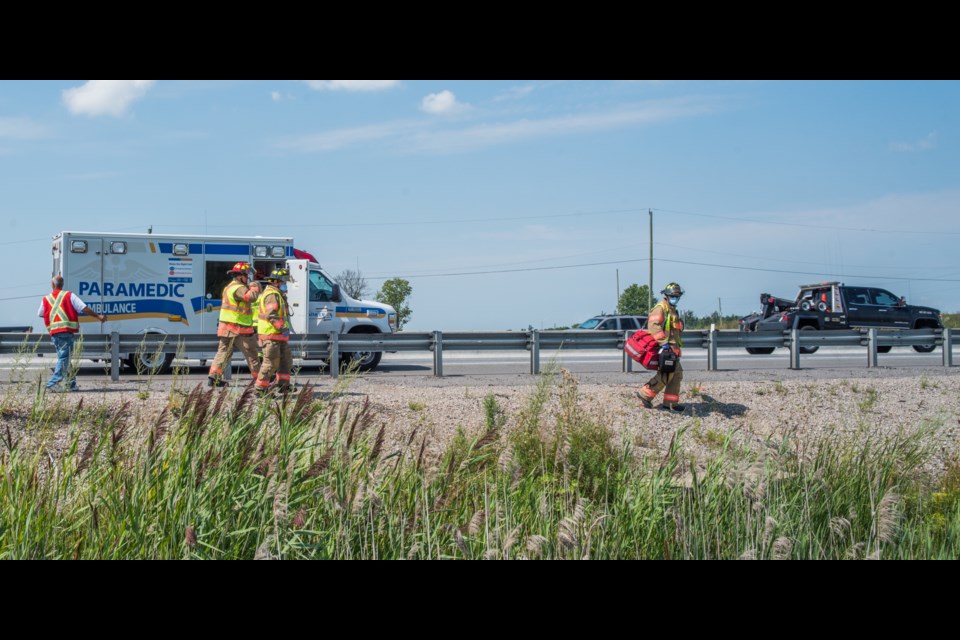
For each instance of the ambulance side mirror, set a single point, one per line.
(336, 293)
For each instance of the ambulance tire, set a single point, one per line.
(366, 360)
(144, 364)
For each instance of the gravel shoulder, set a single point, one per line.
(750, 408)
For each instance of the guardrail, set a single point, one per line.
(112, 346)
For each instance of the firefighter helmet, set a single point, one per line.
(240, 269)
(279, 275)
(672, 289)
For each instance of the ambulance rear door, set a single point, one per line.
(83, 265)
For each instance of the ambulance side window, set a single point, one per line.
(217, 279)
(321, 290)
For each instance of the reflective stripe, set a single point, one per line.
(647, 391)
(669, 397)
(59, 319)
(232, 312)
(272, 329)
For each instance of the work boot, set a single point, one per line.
(646, 404)
(672, 406)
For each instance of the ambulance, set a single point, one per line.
(172, 284)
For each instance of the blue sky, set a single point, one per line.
(534, 192)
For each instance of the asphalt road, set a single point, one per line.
(512, 367)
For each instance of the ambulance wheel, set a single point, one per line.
(150, 364)
(924, 348)
(366, 360)
(760, 351)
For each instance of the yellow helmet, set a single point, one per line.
(672, 289)
(279, 275)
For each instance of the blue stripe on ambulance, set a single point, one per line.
(359, 311)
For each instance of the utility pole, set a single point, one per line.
(618, 291)
(650, 292)
(720, 305)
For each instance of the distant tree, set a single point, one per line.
(395, 293)
(634, 300)
(353, 283)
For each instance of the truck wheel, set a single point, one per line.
(809, 327)
(367, 360)
(884, 349)
(760, 351)
(150, 363)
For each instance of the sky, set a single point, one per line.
(505, 204)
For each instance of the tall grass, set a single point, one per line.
(224, 475)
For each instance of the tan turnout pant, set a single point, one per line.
(247, 345)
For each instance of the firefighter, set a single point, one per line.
(273, 327)
(665, 325)
(236, 323)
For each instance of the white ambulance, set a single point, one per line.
(172, 284)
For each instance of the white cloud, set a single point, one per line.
(342, 138)
(515, 93)
(105, 97)
(486, 135)
(923, 144)
(420, 136)
(21, 129)
(275, 96)
(352, 85)
(444, 102)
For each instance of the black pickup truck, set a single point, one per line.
(833, 305)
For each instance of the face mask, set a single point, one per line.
(283, 288)
(673, 300)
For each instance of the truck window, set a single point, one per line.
(321, 289)
(857, 295)
(885, 298)
(628, 324)
(608, 324)
(216, 279)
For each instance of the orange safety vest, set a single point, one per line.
(58, 313)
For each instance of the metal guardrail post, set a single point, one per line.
(535, 352)
(795, 347)
(627, 360)
(871, 347)
(948, 347)
(115, 356)
(334, 351)
(712, 349)
(438, 354)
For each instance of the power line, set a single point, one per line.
(395, 223)
(810, 226)
(700, 264)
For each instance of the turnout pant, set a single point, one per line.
(277, 360)
(247, 345)
(669, 383)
